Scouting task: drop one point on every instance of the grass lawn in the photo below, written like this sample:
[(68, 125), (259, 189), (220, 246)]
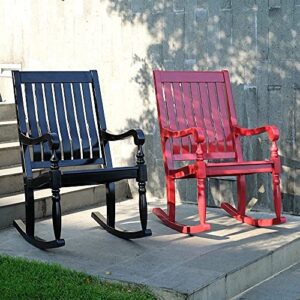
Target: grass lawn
[(22, 279)]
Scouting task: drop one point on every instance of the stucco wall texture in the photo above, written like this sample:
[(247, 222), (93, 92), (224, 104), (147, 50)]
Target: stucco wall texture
[(257, 41)]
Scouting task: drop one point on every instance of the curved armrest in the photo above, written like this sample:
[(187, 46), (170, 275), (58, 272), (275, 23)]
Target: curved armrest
[(51, 138), (272, 130), (194, 131), (137, 134)]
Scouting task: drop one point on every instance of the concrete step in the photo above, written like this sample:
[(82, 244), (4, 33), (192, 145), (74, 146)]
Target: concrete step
[(9, 154), (11, 180), (8, 131), (284, 285), (7, 112), (72, 198)]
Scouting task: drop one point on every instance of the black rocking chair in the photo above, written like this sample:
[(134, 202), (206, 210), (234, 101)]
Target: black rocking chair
[(61, 124)]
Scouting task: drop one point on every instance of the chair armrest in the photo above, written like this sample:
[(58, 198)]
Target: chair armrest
[(272, 130), (51, 138), (194, 131), (137, 134)]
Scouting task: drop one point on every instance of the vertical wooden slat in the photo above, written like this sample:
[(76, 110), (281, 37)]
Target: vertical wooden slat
[(42, 116), (32, 119), (163, 119), (75, 144), (198, 113), (181, 118), (51, 111), (189, 113), (216, 120), (81, 120), (224, 115), (233, 117), (95, 141), (207, 118), (50, 107), (232, 111), (162, 106), (101, 123), (21, 121), (62, 122), (172, 116)]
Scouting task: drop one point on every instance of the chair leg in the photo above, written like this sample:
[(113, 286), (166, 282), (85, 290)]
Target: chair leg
[(109, 224), (55, 176), (56, 213), (201, 200), (143, 210), (240, 215), (110, 204), (29, 210), (170, 182), (27, 231), (241, 189), (141, 179), (276, 194), (169, 219)]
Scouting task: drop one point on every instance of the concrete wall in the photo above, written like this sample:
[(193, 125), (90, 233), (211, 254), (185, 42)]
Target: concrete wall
[(257, 41)]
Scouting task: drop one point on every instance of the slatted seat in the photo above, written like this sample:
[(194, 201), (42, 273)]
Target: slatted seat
[(61, 124), (198, 126)]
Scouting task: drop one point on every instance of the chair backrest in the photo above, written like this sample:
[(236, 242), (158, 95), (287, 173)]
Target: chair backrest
[(200, 99), (66, 103)]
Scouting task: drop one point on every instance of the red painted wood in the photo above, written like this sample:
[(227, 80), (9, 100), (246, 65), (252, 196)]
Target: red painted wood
[(210, 131), (198, 112), (172, 116), (191, 76), (224, 115), (171, 198), (181, 118), (189, 112), (198, 122), (241, 193), (163, 117), (216, 117), (178, 226), (252, 221), (213, 155), (232, 115)]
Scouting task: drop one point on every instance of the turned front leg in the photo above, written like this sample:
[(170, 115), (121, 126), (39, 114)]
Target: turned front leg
[(55, 179), (276, 179), (142, 178)]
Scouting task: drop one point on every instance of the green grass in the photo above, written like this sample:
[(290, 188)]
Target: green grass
[(23, 279)]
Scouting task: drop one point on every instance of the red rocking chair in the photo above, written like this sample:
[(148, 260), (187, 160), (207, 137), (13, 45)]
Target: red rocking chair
[(198, 124)]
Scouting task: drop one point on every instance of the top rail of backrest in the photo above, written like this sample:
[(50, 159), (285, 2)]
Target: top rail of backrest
[(189, 76), (55, 76)]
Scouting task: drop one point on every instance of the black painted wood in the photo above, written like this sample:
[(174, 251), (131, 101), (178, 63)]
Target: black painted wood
[(54, 76), (81, 120), (41, 110), (64, 125), (95, 140), (50, 108), (33, 127), (72, 120)]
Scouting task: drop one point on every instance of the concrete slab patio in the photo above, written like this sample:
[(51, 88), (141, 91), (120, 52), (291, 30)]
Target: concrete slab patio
[(219, 264)]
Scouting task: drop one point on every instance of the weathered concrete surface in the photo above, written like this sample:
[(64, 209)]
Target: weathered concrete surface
[(218, 264), (283, 286), (257, 41)]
